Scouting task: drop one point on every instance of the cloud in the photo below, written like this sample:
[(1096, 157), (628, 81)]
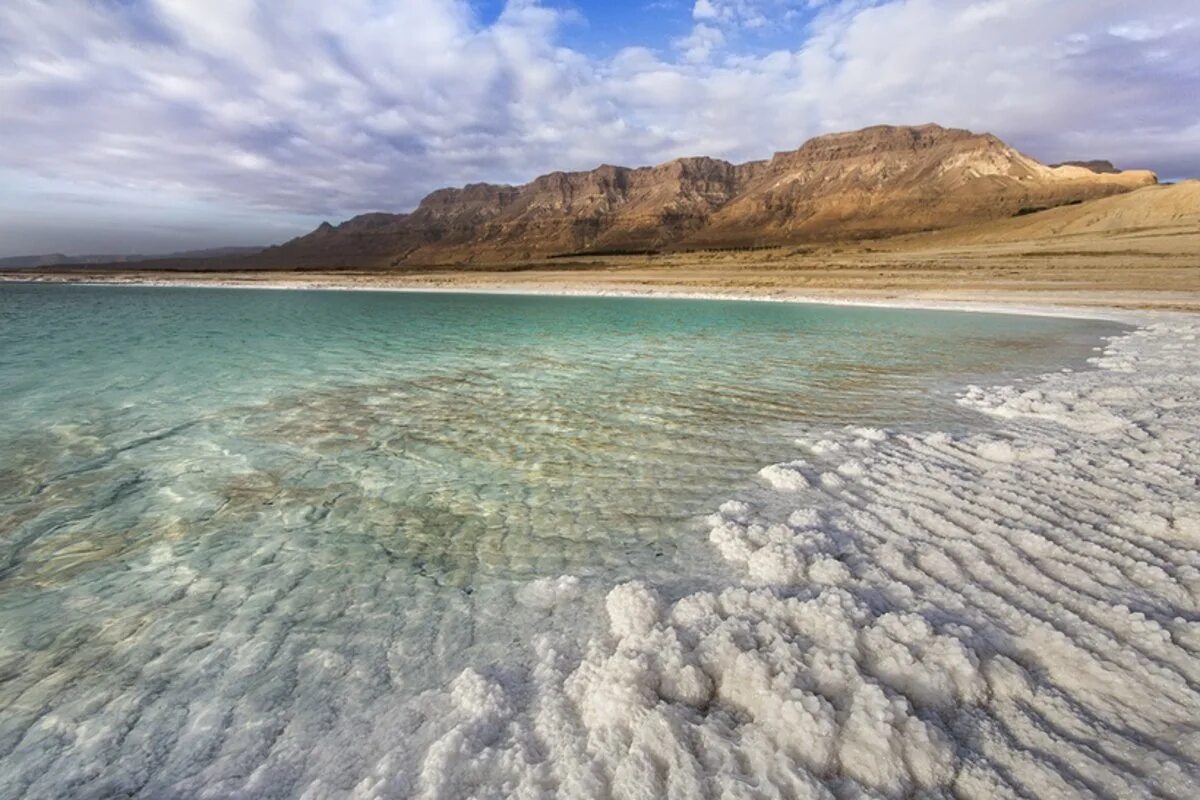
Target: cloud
[(308, 106), (750, 13), (314, 108), (698, 46)]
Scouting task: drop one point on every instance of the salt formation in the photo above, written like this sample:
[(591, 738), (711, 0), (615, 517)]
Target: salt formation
[(1009, 610), (1009, 614)]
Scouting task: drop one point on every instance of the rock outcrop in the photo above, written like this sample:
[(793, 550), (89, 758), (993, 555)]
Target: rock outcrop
[(877, 182)]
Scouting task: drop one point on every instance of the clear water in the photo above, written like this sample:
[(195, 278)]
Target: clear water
[(232, 518)]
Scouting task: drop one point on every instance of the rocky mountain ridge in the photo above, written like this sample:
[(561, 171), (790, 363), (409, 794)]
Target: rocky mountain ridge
[(876, 182)]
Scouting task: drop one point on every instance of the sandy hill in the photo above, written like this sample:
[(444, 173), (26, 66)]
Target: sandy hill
[(1170, 210)]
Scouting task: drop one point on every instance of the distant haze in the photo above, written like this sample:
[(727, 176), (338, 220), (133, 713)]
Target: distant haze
[(151, 126), (61, 259)]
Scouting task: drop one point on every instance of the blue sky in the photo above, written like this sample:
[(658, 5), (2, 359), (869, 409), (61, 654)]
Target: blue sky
[(599, 28), (156, 125)]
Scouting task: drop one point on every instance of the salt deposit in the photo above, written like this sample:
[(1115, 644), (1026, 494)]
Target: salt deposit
[(1003, 615), (1004, 608)]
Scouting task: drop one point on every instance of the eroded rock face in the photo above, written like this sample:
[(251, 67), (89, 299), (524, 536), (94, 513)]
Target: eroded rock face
[(878, 181)]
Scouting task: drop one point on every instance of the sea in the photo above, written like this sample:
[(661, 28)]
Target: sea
[(246, 533)]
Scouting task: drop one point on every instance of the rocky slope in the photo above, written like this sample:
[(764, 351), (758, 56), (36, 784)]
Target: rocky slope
[(880, 181)]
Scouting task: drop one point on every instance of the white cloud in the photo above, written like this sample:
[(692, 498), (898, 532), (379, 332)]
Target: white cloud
[(332, 108), (698, 46), (749, 13), (1148, 30)]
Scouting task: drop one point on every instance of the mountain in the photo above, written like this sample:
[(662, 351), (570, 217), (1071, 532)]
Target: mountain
[(59, 259), (877, 182), (884, 181)]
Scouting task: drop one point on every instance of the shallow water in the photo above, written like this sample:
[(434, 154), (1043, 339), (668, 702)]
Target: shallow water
[(234, 518)]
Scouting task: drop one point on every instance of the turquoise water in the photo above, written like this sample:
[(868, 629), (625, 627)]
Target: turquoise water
[(227, 515)]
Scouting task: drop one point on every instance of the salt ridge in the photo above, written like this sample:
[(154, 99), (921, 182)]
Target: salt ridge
[(1003, 615)]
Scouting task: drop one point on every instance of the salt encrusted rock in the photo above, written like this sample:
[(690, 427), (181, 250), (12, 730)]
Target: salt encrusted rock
[(546, 593), (787, 477), (826, 571), (633, 609)]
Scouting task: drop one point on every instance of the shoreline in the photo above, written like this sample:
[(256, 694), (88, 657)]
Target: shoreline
[(889, 592), (1042, 306)]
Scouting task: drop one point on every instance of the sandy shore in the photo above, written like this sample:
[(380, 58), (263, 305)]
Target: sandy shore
[(1033, 304), (1006, 611), (1140, 251), (1159, 272)]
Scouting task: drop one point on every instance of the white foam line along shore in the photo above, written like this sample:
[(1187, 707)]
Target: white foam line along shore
[(1010, 614)]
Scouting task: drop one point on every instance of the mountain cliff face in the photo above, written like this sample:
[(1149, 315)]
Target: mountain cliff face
[(879, 181)]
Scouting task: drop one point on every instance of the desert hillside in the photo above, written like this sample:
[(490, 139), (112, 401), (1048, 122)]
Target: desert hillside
[(1149, 212), (1140, 249), (877, 182)]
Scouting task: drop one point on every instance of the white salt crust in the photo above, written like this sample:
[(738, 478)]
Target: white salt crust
[(1002, 615)]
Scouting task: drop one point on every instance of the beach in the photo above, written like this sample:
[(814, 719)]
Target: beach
[(994, 598), (998, 615), (577, 400), (1156, 267), (971, 569)]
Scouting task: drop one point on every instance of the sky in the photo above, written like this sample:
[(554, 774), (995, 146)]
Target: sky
[(144, 126)]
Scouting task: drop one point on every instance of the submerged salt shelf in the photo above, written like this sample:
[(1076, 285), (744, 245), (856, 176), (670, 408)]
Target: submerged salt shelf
[(270, 544)]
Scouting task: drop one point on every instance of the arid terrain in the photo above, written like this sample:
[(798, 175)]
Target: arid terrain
[(920, 212), (1135, 250), (873, 183)]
